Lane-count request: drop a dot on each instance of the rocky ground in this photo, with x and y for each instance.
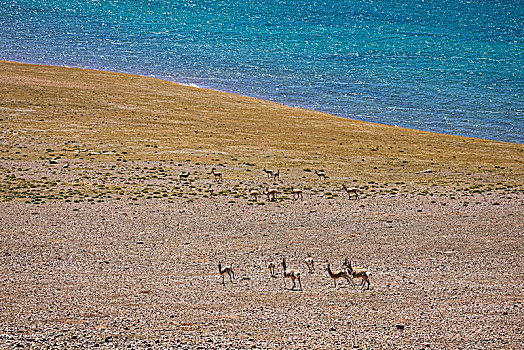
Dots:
(446, 272)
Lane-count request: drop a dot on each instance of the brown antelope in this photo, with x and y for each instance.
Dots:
(210, 190)
(218, 175)
(271, 194)
(297, 194)
(269, 173)
(321, 175)
(276, 175)
(293, 275)
(254, 194)
(347, 264)
(350, 191)
(310, 263)
(271, 267)
(223, 270)
(357, 273)
(337, 274)
(183, 175)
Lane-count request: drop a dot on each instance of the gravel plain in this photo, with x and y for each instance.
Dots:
(140, 274)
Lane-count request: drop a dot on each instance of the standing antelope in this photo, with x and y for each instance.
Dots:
(271, 193)
(350, 191)
(223, 270)
(271, 267)
(269, 173)
(254, 194)
(310, 263)
(218, 175)
(276, 175)
(357, 273)
(183, 175)
(291, 274)
(210, 190)
(297, 193)
(337, 274)
(321, 175)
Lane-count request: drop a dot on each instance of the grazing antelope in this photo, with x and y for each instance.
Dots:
(183, 175)
(271, 267)
(357, 273)
(291, 274)
(271, 193)
(310, 263)
(269, 173)
(218, 175)
(254, 194)
(297, 194)
(276, 175)
(337, 274)
(350, 191)
(223, 270)
(321, 175)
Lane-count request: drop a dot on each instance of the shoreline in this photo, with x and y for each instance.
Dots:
(248, 96)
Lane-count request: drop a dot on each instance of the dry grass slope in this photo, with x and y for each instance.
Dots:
(138, 118)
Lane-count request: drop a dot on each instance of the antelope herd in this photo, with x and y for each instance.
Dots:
(272, 193)
(347, 272)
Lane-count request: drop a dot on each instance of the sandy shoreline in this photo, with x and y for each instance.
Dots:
(104, 246)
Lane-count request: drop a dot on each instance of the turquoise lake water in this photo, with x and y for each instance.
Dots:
(454, 67)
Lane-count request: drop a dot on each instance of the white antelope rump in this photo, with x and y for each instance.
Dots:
(357, 272)
(293, 275)
(218, 175)
(223, 270)
(297, 193)
(269, 173)
(310, 263)
(350, 191)
(321, 175)
(337, 274)
(271, 194)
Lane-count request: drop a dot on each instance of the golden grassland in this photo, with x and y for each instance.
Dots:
(123, 121)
